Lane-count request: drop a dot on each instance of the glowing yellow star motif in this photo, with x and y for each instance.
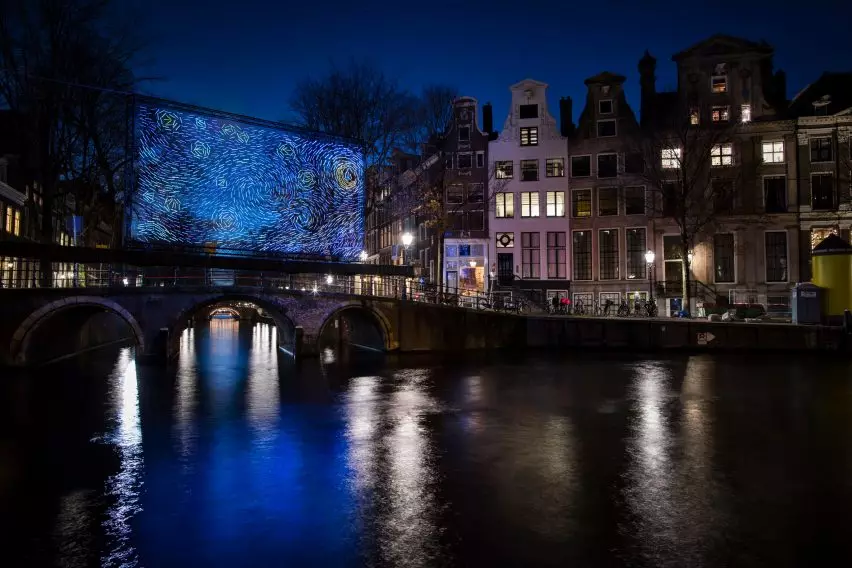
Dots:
(346, 176)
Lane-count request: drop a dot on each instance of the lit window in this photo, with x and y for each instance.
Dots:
(505, 240)
(719, 83)
(529, 136)
(529, 204)
(555, 204)
(670, 158)
(745, 113)
(720, 114)
(504, 170)
(555, 167)
(773, 152)
(694, 116)
(581, 203)
(722, 155)
(505, 205)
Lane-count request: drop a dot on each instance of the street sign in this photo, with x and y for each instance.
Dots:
(705, 337)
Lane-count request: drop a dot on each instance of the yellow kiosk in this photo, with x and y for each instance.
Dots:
(832, 271)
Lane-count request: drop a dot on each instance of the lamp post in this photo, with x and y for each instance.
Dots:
(649, 260)
(407, 239)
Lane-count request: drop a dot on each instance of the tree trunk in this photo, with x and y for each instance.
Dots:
(686, 271)
(440, 264)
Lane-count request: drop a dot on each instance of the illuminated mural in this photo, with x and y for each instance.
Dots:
(213, 180)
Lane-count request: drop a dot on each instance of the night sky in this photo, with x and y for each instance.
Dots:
(245, 56)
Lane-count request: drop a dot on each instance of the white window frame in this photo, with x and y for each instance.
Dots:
(721, 155)
(480, 159)
(598, 164)
(530, 205)
(571, 165)
(551, 159)
(772, 152)
(787, 248)
(713, 267)
(497, 198)
(591, 214)
(626, 252)
(617, 201)
(458, 160)
(745, 112)
(614, 123)
(611, 106)
(670, 158)
(591, 256)
(619, 240)
(555, 203)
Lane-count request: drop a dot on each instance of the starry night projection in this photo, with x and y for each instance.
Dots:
(214, 180)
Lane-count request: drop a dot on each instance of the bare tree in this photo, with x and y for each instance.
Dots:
(692, 167)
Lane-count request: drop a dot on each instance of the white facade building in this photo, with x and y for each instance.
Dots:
(528, 220)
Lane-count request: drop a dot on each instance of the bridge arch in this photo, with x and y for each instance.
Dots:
(224, 310)
(284, 324)
(22, 338)
(369, 328)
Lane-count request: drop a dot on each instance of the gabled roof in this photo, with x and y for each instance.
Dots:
(606, 78)
(527, 83)
(831, 89)
(721, 44)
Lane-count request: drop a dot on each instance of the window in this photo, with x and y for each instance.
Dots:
(722, 155)
(529, 170)
(581, 203)
(670, 198)
(607, 201)
(480, 159)
(455, 194)
(745, 113)
(670, 158)
(582, 251)
(581, 166)
(636, 247)
(773, 152)
(608, 254)
(464, 133)
(505, 240)
(723, 195)
(530, 255)
(10, 214)
(607, 165)
(634, 163)
(822, 192)
(820, 149)
(719, 83)
(775, 194)
(605, 106)
(723, 257)
(634, 200)
(505, 205)
(529, 204)
(555, 204)
(448, 161)
(606, 128)
(694, 116)
(556, 259)
(504, 170)
(555, 167)
(528, 111)
(475, 193)
(719, 114)
(529, 136)
(465, 160)
(776, 256)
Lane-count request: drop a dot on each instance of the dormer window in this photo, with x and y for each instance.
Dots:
(605, 89)
(605, 106)
(821, 105)
(528, 111)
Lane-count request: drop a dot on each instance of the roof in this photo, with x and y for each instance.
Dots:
(721, 44)
(527, 83)
(606, 78)
(11, 194)
(832, 244)
(833, 89)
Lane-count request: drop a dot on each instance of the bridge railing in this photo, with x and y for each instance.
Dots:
(20, 273)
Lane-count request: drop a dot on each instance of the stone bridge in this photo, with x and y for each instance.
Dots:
(42, 325)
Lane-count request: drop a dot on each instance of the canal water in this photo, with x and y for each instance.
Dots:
(235, 458)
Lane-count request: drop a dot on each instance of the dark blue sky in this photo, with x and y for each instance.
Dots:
(245, 56)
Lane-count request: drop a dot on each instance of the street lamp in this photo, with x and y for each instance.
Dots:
(329, 279)
(472, 264)
(407, 239)
(649, 260)
(363, 256)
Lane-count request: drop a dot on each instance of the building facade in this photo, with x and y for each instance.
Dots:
(611, 227)
(528, 217)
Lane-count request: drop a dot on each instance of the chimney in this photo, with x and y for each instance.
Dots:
(647, 82)
(487, 118)
(566, 115)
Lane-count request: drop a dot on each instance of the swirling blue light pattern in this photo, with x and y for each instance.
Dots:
(214, 180)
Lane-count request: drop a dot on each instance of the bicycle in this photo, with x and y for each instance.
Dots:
(623, 309)
(579, 308)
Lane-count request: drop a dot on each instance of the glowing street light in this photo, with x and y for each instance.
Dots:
(407, 239)
(472, 264)
(649, 257)
(329, 279)
(314, 289)
(124, 281)
(363, 256)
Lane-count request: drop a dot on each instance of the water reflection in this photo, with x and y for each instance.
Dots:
(262, 399)
(123, 487)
